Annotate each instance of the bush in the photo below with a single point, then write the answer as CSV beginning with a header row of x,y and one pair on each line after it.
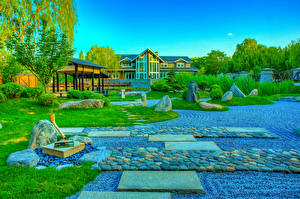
x,y
215,86
160,86
202,85
2,97
87,94
216,93
46,99
184,94
106,101
76,94
11,90
32,92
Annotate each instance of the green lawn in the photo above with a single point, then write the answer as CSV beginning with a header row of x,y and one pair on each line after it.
x,y
18,116
243,101
150,95
184,105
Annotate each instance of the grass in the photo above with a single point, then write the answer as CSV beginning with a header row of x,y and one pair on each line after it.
x,y
243,101
18,116
150,95
184,105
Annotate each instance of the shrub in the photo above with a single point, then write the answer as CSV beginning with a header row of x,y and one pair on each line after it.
x,y
2,97
76,94
97,96
106,101
47,99
160,86
32,92
87,94
11,90
216,93
202,85
215,86
184,94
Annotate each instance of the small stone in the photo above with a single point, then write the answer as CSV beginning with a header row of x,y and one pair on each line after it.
x,y
254,92
227,96
164,105
206,105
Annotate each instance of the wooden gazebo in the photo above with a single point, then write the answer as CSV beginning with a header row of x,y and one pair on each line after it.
x,y
80,70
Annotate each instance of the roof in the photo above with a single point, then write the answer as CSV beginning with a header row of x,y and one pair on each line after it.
x,y
85,63
102,75
175,58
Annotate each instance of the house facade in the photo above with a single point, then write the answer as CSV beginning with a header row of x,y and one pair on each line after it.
x,y
150,65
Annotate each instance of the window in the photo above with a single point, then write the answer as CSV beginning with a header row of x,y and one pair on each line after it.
x,y
164,65
180,65
125,64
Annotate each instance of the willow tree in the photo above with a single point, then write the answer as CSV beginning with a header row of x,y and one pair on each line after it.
x,y
104,56
17,16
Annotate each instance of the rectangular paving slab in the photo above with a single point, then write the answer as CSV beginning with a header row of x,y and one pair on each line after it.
x,y
203,145
72,130
123,195
160,181
109,133
246,129
172,138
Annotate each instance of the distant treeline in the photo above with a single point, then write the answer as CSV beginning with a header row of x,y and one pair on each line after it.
x,y
252,57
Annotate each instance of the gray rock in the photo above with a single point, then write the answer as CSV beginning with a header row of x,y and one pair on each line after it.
x,y
0,126
24,158
64,166
236,91
191,94
81,139
297,130
40,167
87,103
43,133
206,105
227,96
254,92
96,156
165,104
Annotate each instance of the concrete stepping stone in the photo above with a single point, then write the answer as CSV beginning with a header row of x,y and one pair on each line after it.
x,y
160,181
203,145
246,130
72,130
109,133
123,195
171,138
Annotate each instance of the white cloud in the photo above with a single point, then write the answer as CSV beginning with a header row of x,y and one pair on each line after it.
x,y
229,34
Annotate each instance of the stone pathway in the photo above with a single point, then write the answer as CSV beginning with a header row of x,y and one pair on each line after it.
x,y
172,138
124,195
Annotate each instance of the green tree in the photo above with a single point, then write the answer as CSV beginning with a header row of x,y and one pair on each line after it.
x,y
16,16
81,55
104,56
293,55
215,62
44,56
10,69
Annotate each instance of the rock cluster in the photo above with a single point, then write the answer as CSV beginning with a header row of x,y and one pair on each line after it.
x,y
165,104
82,104
43,133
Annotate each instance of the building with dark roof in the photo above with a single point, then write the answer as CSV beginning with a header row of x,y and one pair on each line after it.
x,y
150,65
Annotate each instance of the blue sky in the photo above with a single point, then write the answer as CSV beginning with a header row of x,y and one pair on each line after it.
x,y
184,27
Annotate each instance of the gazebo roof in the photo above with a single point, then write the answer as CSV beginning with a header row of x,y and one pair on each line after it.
x,y
85,63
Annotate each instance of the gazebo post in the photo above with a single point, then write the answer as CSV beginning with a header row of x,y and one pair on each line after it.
x,y
79,83
82,81
53,84
102,85
99,82
74,82
66,82
57,82
93,81
76,77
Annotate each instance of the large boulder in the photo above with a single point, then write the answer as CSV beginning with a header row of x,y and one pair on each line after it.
x,y
87,103
227,96
81,139
236,91
191,94
206,105
165,104
43,133
254,92
25,158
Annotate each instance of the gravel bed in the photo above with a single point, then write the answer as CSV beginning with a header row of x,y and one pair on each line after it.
x,y
221,185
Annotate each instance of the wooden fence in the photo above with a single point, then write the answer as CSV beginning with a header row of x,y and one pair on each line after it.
x,y
26,80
